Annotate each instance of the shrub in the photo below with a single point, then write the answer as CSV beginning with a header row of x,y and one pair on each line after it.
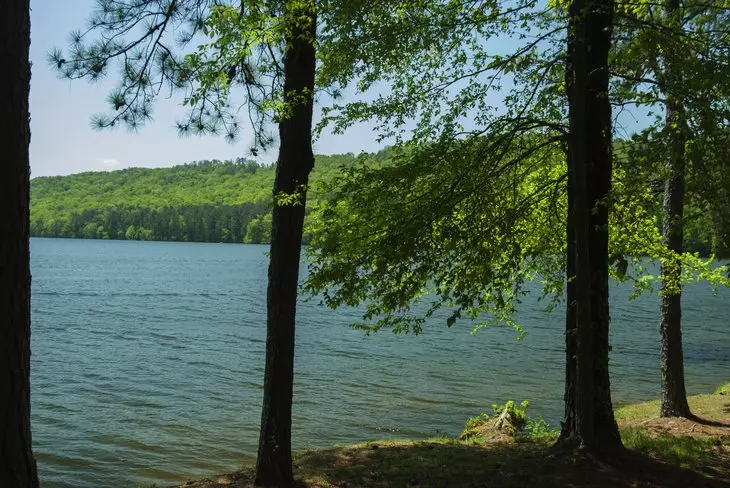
x,y
510,419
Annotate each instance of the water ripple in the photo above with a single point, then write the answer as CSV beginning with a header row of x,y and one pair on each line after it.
x,y
148,363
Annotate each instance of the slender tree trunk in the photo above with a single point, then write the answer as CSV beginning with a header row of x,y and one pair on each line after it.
x,y
17,465
589,419
570,428
674,396
296,160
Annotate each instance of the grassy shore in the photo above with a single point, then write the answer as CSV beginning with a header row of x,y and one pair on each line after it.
x,y
660,453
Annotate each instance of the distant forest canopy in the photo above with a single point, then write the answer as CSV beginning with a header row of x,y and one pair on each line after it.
x,y
218,201
202,201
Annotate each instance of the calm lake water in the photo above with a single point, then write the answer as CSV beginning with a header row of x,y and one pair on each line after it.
x,y
148,363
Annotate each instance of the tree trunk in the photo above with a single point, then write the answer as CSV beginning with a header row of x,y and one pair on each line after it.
x,y
599,140
589,419
569,428
674,397
673,394
17,465
295,162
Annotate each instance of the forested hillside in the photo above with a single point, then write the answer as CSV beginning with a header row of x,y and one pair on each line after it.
x,y
203,201
216,201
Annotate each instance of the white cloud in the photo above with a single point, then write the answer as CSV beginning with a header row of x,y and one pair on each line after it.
x,y
109,163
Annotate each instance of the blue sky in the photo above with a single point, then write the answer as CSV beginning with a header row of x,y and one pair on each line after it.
x,y
63,141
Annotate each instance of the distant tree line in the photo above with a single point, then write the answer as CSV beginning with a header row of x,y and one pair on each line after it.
x,y
201,201
229,201
242,223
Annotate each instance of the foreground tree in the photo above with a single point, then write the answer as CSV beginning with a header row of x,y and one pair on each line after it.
x,y
448,218
673,55
17,465
673,393
295,162
460,213
243,46
589,419
691,64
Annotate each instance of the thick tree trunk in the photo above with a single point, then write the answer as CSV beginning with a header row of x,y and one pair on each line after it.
x,y
296,160
599,139
589,419
17,465
673,396
581,244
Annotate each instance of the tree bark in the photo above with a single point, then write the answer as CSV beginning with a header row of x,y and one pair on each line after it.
x,y
599,140
673,395
17,465
569,429
581,215
295,162
589,419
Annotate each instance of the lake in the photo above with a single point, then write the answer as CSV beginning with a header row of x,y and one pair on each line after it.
x,y
147,363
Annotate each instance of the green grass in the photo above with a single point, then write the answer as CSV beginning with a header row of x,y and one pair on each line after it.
x,y
685,451
701,444
723,389
701,405
637,412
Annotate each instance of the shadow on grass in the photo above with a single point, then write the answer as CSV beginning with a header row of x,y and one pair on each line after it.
x,y
696,453
457,464
712,423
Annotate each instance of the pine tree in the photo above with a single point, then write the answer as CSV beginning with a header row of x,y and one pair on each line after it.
x,y
17,465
